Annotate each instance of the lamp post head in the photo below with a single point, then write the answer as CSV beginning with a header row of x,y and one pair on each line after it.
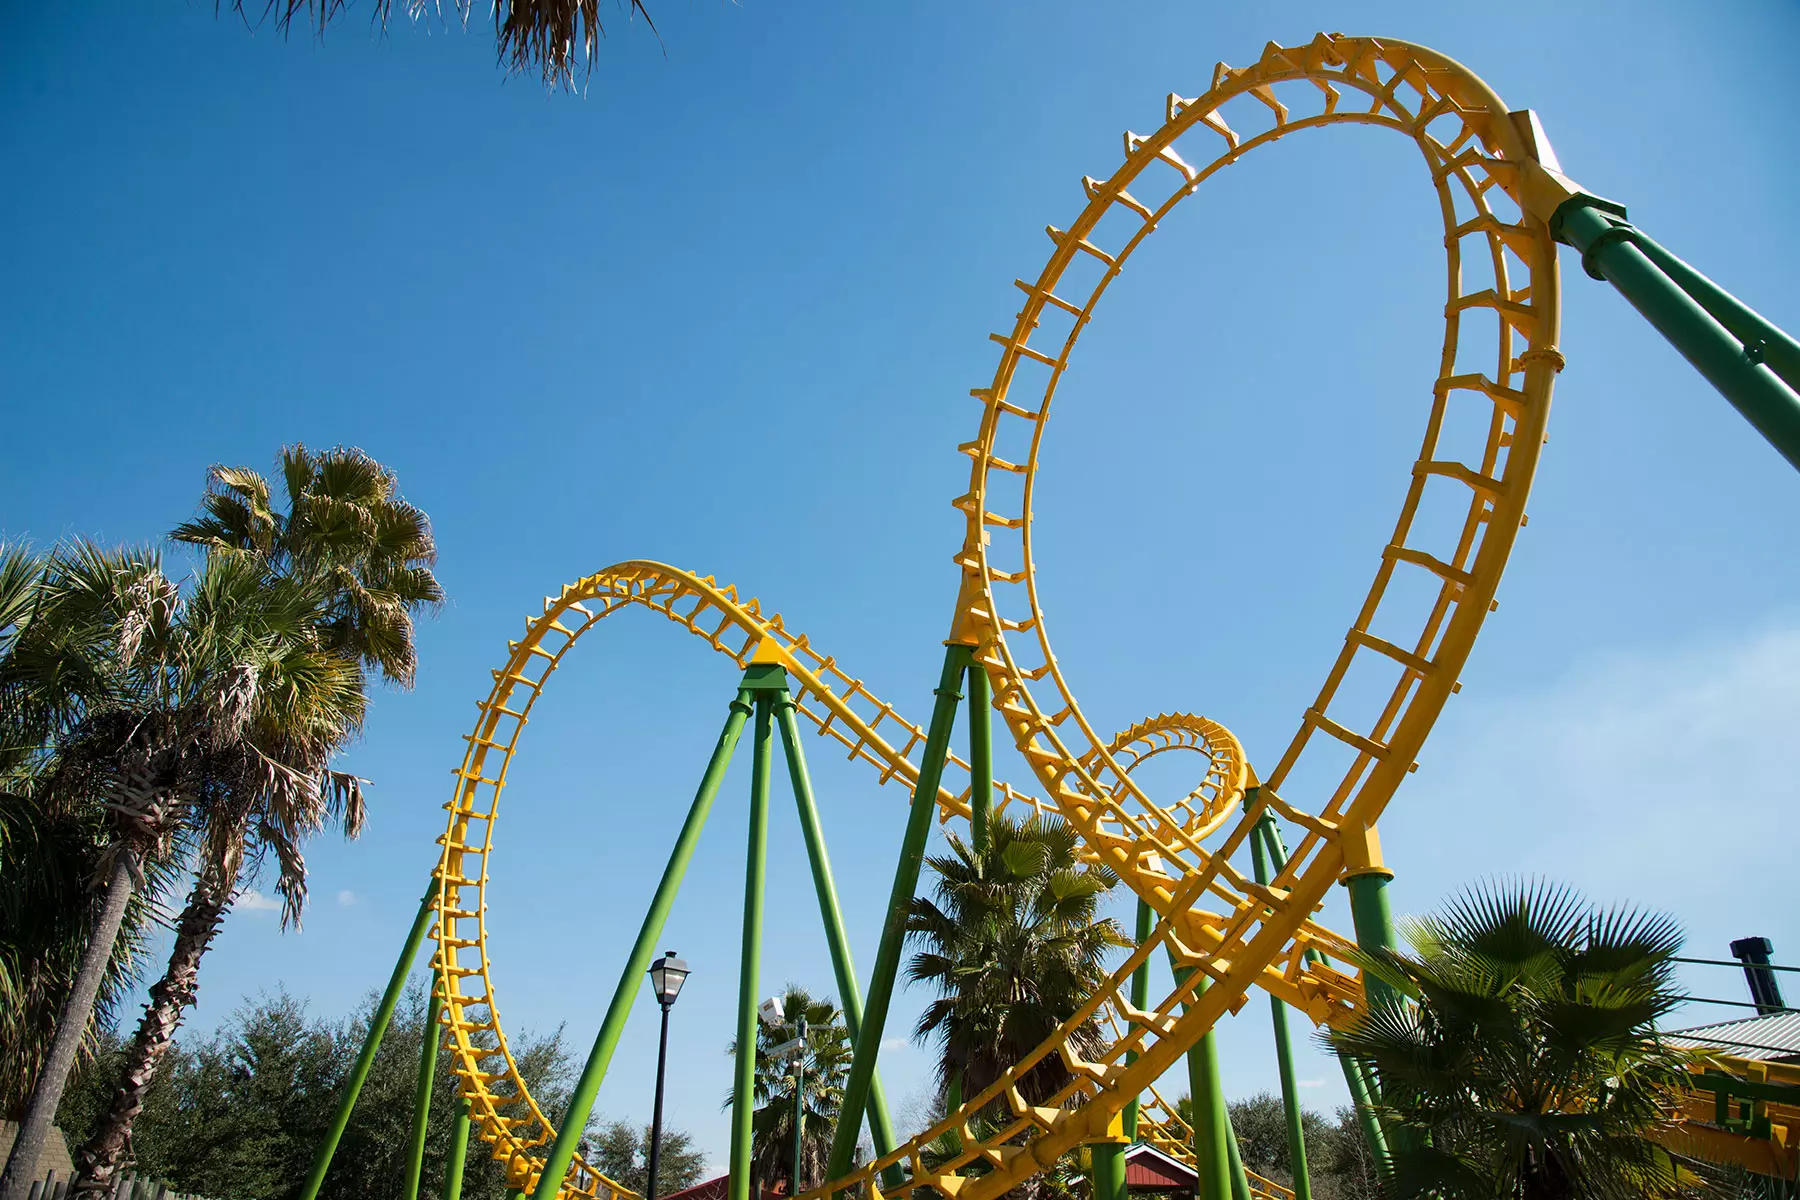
x,y
666,975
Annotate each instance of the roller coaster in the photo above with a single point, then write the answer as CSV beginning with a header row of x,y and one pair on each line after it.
x,y
1504,205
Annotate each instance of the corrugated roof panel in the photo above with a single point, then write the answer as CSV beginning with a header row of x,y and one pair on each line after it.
x,y
1770,1038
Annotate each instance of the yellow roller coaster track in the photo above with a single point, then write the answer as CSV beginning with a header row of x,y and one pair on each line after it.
x,y
1434,584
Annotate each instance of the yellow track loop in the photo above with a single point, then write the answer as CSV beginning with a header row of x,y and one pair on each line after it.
x,y
1497,365
839,705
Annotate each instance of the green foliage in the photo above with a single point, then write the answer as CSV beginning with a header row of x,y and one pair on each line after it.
x,y
1013,945
1337,1158
1521,1061
827,1065
240,1113
620,1151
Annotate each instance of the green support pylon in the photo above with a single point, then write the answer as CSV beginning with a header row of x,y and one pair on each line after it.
x,y
1217,1164
1362,1096
1140,1000
581,1102
981,756
365,1058
1740,362
881,1128
893,930
1108,1174
459,1151
743,1087
428,1048
1284,1051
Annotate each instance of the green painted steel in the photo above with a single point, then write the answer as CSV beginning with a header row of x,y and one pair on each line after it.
x,y
1140,1000
881,1129
981,755
743,1086
1758,334
1217,1164
953,1100
581,1103
893,931
1613,250
459,1151
1362,1096
1284,1052
1374,923
1108,1170
428,1056
384,1012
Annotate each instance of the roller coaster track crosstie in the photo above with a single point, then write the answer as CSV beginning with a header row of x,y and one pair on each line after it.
x,y
1501,198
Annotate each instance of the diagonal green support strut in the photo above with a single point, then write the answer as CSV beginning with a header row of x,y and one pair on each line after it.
x,y
881,1128
893,933
631,980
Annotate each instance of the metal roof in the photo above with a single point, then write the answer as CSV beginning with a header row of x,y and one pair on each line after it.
x,y
1774,1037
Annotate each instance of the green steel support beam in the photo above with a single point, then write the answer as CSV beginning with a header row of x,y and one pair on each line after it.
x,y
1362,1096
1612,249
384,1012
1284,1051
459,1151
743,1088
581,1103
981,755
893,932
428,1056
1109,1170
1374,922
1216,1159
881,1129
1140,1000
1758,334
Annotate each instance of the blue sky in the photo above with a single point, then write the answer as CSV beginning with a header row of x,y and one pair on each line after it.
x,y
724,308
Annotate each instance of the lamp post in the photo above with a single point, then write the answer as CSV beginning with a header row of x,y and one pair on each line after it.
x,y
666,976
794,1189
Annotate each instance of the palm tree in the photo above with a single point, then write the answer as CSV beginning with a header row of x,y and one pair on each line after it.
x,y
532,35
1013,944
91,752
826,1062
1522,1060
343,570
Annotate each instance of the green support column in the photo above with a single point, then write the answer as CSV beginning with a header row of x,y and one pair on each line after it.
x,y
1216,1159
581,1102
1284,1052
893,932
1140,1000
428,1048
1611,249
981,755
459,1151
795,1187
881,1129
1362,1096
743,1088
384,1012
1374,923
1109,1170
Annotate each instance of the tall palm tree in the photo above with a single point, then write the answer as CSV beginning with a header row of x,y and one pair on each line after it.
x,y
826,1062
1522,1059
346,567
91,750
1013,943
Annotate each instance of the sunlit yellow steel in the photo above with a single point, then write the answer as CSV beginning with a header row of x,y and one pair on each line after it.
x,y
1496,184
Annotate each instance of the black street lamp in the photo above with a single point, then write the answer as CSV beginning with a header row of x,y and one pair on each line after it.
x,y
666,975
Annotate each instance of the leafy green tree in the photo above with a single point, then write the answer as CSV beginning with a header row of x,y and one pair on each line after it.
x,y
1013,944
620,1151
1520,1059
826,1059
339,575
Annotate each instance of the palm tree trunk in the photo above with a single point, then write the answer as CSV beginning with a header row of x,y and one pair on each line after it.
x,y
71,1031
98,1164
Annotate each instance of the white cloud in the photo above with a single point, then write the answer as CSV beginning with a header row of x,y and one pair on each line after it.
x,y
889,1045
347,898
1311,1083
254,901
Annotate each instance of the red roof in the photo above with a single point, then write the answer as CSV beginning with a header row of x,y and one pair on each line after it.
x,y
720,1189
1150,1170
